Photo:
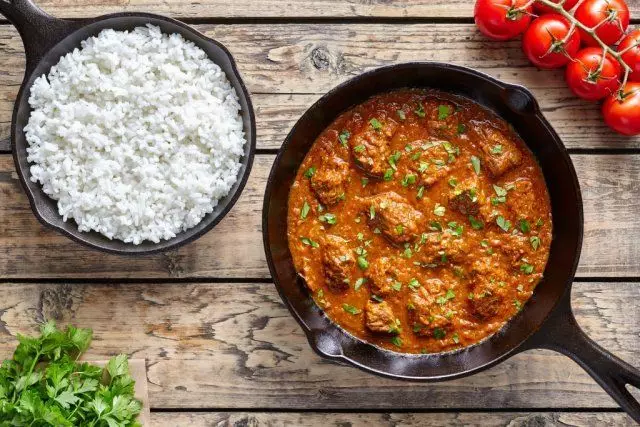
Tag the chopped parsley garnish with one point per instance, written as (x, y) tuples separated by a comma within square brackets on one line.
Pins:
[(539, 223), (364, 181), (375, 124), (475, 162), (448, 296), (307, 241), (535, 242), (439, 333), (496, 149), (456, 229), (305, 210), (462, 128), (397, 341), (413, 284), (475, 224), (435, 226), (376, 231), (359, 283), (423, 167), (524, 226), (526, 268), (329, 218), (439, 210), (408, 253), (500, 192), (409, 179), (388, 174), (393, 159), (359, 148), (396, 286), (453, 182), (401, 114), (517, 304), (420, 111), (455, 338), (377, 298), (363, 263), (505, 224), (420, 192), (372, 212), (309, 172), (350, 309), (344, 137), (395, 327), (399, 229), (443, 112)]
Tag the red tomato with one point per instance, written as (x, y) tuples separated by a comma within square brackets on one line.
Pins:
[(541, 9), (592, 12), (586, 79), (622, 110), (544, 41), (502, 19), (630, 46)]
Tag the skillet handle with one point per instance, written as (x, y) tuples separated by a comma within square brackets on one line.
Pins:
[(562, 333), (39, 30)]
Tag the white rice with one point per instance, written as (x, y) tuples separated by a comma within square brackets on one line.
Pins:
[(137, 135)]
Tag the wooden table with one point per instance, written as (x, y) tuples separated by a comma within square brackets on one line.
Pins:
[(219, 344)]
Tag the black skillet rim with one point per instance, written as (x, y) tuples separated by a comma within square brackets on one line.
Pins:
[(313, 335), (230, 199)]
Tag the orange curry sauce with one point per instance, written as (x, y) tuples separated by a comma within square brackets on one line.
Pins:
[(420, 221)]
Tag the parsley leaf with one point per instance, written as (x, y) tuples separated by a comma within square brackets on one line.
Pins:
[(443, 112), (344, 137), (43, 384), (475, 162)]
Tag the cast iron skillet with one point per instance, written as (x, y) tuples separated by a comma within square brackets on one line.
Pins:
[(45, 40), (546, 321)]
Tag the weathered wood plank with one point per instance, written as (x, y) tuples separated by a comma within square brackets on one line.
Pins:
[(236, 346), (481, 419), (610, 184), (299, 62), (274, 8)]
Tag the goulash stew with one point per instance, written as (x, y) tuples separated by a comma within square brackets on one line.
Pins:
[(420, 221)]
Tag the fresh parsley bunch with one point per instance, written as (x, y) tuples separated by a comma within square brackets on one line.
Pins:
[(44, 385)]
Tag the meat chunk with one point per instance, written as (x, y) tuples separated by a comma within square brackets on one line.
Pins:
[(371, 147), (398, 221), (381, 275), (465, 202), (469, 197), (425, 312), (434, 162), (441, 117), (329, 182), (521, 200), (500, 153), (512, 246), (379, 318), (439, 248), (488, 286), (338, 262)]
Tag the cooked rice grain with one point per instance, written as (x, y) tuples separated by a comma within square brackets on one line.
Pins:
[(137, 135)]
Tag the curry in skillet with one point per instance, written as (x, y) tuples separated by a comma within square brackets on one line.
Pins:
[(419, 221)]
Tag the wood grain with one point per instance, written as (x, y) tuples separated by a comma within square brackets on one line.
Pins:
[(480, 419), (289, 66), (274, 8), (610, 184), (234, 345)]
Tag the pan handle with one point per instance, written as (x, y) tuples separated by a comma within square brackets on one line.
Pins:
[(39, 30), (562, 333)]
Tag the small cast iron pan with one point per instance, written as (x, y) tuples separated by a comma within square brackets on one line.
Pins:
[(45, 40), (546, 320)]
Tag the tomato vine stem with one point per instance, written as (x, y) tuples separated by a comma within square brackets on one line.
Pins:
[(558, 8)]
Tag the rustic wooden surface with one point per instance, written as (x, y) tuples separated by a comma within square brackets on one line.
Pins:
[(221, 348)]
